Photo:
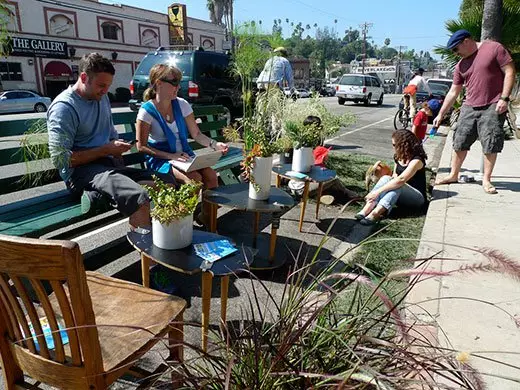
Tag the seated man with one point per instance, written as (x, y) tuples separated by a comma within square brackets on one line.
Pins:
[(84, 145)]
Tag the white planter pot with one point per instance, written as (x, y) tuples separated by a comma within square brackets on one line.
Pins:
[(176, 235), (303, 160), (262, 177)]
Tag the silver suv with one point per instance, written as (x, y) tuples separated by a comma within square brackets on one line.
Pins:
[(359, 88)]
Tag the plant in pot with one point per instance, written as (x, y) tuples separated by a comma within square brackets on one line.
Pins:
[(172, 213), (305, 137)]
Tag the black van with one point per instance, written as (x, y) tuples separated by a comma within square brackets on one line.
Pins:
[(206, 77)]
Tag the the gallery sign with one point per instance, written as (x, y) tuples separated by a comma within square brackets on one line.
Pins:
[(31, 47)]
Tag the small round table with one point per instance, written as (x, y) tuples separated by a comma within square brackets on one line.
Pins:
[(317, 174), (186, 261), (236, 196)]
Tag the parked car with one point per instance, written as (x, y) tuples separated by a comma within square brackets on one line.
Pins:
[(23, 101), (328, 90), (206, 77), (302, 93), (359, 88), (439, 92), (446, 82)]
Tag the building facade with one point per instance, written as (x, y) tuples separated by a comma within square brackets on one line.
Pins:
[(49, 37)]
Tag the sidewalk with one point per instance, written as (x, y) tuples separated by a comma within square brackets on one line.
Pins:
[(474, 312)]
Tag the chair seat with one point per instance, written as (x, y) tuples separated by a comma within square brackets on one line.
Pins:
[(121, 309)]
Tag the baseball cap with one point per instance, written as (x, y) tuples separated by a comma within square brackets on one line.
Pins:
[(457, 37), (434, 104)]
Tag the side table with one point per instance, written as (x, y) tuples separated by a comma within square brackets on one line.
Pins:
[(236, 196), (186, 261), (317, 174)]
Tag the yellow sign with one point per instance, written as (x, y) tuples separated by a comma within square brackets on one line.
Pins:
[(177, 24)]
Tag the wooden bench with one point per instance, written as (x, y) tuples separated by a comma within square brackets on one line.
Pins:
[(55, 209)]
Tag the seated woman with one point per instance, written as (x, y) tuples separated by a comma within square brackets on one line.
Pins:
[(164, 123), (406, 187)]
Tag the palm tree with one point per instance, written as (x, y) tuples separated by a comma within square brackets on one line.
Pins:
[(492, 19), (471, 20)]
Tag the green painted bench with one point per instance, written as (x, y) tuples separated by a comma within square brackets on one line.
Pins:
[(42, 214)]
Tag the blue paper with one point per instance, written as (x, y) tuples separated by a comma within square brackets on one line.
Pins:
[(47, 333), (214, 250), (296, 175)]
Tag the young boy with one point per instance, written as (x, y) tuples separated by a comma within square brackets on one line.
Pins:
[(420, 122)]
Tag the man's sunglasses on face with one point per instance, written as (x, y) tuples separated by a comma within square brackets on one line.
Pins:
[(173, 82)]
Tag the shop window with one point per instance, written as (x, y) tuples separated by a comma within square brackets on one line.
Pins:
[(110, 31), (11, 71)]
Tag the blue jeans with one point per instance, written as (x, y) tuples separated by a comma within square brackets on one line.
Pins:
[(405, 196)]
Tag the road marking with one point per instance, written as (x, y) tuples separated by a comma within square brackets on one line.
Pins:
[(100, 230), (356, 130)]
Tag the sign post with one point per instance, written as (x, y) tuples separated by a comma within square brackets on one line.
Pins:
[(177, 24)]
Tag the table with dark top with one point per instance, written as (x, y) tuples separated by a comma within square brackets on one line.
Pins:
[(236, 196), (186, 261), (317, 174)]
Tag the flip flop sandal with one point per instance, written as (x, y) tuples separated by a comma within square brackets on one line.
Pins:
[(360, 216), (368, 221), (490, 189)]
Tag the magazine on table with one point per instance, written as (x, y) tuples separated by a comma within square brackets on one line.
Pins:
[(214, 250)]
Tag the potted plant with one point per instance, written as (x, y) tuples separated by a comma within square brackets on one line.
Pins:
[(305, 138), (172, 213)]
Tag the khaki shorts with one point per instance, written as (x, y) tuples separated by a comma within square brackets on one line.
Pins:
[(482, 123)]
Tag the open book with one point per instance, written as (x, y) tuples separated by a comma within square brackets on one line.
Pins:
[(202, 159)]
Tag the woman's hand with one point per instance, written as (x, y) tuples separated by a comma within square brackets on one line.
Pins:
[(180, 156), (222, 147), (371, 197)]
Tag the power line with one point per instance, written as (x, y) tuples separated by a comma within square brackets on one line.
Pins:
[(364, 29)]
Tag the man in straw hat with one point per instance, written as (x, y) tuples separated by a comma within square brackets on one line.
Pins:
[(277, 71)]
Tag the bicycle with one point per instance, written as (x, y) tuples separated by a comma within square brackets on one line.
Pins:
[(402, 119)]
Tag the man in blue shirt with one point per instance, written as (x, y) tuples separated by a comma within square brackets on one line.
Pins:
[(85, 148), (277, 70)]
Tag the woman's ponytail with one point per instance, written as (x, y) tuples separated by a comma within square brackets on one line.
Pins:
[(148, 94)]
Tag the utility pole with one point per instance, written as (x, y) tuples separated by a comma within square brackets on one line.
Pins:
[(397, 68), (364, 29)]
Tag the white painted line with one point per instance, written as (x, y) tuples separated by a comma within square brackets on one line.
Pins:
[(361, 128), (100, 230)]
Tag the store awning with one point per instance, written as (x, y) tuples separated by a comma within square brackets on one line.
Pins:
[(57, 69)]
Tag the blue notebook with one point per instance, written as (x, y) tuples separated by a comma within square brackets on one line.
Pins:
[(214, 250), (296, 175)]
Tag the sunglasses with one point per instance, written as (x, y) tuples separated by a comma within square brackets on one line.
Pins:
[(173, 82)]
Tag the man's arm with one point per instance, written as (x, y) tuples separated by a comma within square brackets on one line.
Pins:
[(289, 74), (62, 125), (449, 100), (509, 82)]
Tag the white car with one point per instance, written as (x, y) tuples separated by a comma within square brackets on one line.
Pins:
[(302, 93), (23, 101), (359, 88)]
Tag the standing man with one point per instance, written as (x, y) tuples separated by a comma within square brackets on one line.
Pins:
[(85, 148), (277, 71), (488, 73)]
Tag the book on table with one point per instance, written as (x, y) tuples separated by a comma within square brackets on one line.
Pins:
[(203, 158), (214, 250)]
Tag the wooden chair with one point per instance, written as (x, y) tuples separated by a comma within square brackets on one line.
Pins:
[(110, 323)]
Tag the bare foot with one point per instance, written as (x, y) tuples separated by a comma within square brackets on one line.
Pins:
[(489, 188), (447, 180)]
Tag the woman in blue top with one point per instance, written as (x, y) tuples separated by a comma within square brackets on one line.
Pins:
[(164, 124), (406, 187)]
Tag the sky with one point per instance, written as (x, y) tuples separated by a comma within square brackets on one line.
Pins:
[(415, 24)]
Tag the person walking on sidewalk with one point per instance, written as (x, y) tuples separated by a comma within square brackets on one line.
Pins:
[(85, 148), (488, 73), (277, 71), (417, 83)]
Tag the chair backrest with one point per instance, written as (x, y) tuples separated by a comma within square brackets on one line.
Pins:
[(28, 268)]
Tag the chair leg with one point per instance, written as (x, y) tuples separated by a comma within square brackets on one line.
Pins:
[(12, 374), (175, 343)]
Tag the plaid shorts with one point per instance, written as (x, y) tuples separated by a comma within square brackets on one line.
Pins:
[(482, 123)]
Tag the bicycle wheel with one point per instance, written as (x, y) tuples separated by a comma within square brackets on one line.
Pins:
[(401, 119)]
